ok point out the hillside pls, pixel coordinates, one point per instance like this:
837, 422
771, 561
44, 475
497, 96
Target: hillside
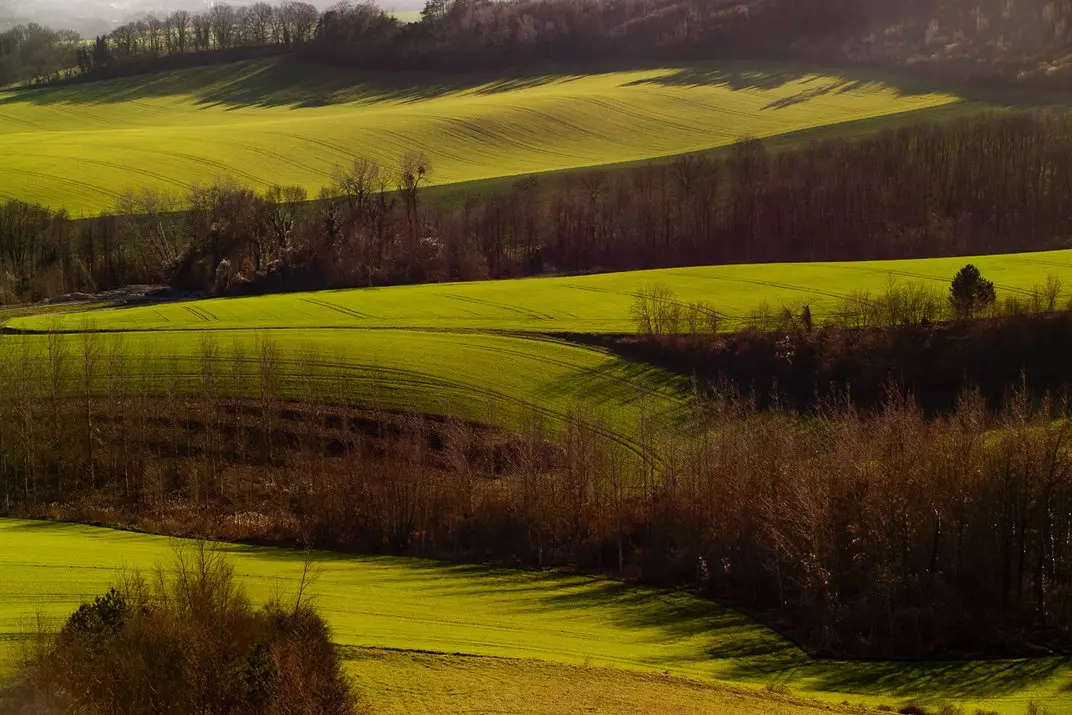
573, 304
494, 351
526, 626
266, 122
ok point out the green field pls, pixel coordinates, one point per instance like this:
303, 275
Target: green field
502, 380
277, 122
538, 621
584, 304
488, 351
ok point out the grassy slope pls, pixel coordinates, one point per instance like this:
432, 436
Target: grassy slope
480, 351
585, 304
494, 379
376, 602
405, 682
275, 121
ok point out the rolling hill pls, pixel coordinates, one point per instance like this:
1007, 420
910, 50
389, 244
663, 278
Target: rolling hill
574, 304
413, 626
276, 121
495, 352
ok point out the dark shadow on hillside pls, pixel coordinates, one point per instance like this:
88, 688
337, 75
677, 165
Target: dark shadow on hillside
280, 82
937, 680
619, 382
815, 82
819, 82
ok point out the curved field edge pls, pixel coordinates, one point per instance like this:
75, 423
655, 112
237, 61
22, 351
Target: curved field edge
514, 382
276, 121
576, 304
418, 605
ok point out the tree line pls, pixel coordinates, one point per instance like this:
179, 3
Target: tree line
880, 532
983, 40
989, 184
36, 53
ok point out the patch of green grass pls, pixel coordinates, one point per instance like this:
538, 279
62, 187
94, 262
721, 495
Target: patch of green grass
418, 605
584, 304
278, 121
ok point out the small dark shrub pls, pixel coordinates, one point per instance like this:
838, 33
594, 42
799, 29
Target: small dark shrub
970, 293
186, 641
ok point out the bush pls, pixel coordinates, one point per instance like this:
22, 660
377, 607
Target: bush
186, 642
970, 293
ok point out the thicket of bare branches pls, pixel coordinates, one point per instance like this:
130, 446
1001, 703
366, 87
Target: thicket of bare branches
180, 641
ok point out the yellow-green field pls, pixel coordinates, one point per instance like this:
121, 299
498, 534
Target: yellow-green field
566, 637
576, 304
278, 122
494, 352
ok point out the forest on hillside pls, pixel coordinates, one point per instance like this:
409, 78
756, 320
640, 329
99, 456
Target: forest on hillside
1024, 41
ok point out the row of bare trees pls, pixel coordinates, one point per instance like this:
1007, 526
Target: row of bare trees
980, 40
222, 28
867, 533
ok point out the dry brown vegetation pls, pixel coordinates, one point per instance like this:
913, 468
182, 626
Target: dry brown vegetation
184, 640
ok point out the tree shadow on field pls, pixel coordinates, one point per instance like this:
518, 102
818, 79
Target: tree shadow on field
817, 82
622, 382
937, 680
810, 84
280, 82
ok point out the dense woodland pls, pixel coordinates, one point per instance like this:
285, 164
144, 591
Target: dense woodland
981, 40
879, 532
990, 184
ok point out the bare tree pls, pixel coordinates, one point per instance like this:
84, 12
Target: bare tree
260, 20
178, 32
223, 18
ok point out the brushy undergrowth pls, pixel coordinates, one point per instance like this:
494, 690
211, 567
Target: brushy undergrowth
186, 640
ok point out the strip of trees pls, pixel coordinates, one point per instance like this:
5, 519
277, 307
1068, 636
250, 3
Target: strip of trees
877, 532
990, 184
37, 54
980, 40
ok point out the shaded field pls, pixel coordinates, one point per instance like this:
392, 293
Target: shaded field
581, 304
416, 605
279, 122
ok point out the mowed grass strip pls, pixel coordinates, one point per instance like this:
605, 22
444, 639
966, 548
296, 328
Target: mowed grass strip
279, 122
419, 605
582, 304
408, 682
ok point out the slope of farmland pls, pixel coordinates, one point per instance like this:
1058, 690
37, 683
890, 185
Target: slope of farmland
277, 122
414, 605
494, 379
583, 304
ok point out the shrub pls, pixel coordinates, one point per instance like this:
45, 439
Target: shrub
970, 293
186, 642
